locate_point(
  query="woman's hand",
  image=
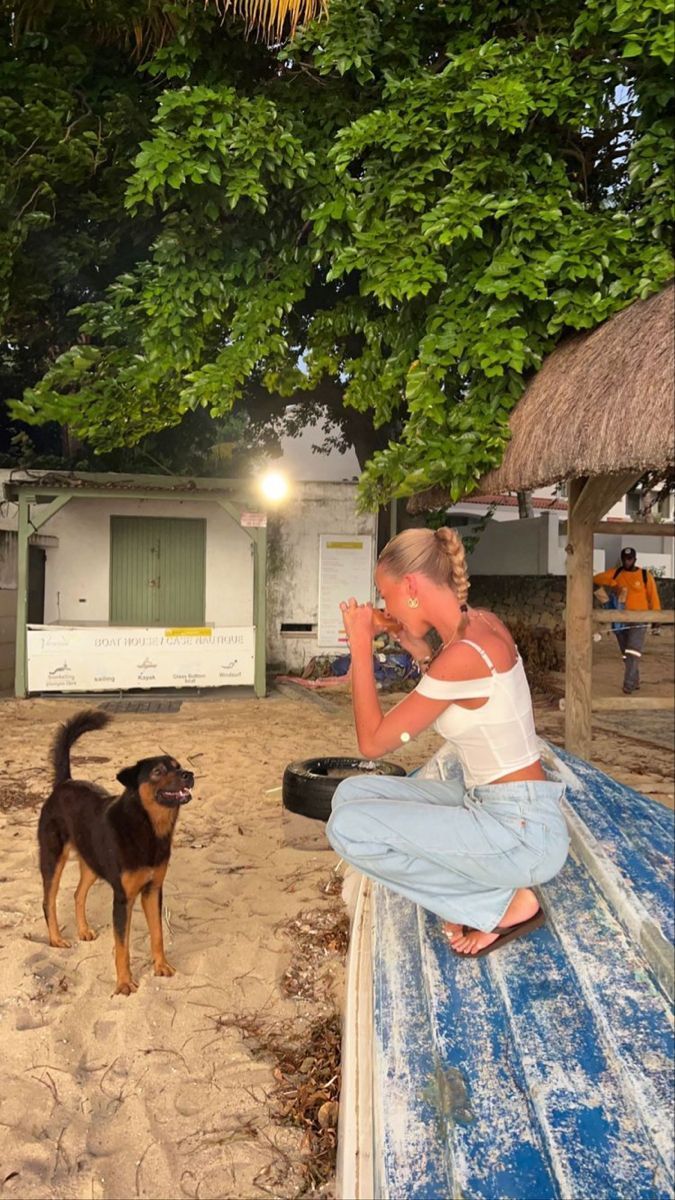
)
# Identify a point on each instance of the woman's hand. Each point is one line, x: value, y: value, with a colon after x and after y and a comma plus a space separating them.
x: 358, y: 622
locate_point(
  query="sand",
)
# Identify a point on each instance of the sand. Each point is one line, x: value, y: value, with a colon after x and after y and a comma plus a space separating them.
x: 156, y: 1095
x: 632, y: 745
x: 159, y: 1094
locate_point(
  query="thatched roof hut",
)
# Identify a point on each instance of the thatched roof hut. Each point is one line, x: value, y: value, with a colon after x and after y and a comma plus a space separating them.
x: 598, y: 414
x: 602, y: 403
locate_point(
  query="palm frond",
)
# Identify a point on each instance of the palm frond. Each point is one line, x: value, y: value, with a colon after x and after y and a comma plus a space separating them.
x: 141, y: 36
x: 273, y: 20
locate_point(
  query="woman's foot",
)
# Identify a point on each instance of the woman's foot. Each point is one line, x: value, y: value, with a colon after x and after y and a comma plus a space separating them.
x: 523, y: 906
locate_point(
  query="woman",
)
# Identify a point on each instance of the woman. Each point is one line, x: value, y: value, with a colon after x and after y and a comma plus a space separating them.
x: 470, y: 854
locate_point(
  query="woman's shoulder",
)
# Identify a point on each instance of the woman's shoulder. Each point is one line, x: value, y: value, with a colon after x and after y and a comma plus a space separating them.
x: 485, y: 643
x: 486, y: 618
x: 485, y: 628
x: 460, y: 660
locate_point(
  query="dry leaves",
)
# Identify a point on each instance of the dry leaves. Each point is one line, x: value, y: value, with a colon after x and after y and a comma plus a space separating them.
x: 318, y: 936
x: 307, y: 1088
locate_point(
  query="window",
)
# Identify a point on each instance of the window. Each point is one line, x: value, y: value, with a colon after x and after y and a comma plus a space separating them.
x: 641, y: 503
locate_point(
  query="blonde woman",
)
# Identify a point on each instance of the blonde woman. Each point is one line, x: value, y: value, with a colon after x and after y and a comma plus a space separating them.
x: 469, y: 853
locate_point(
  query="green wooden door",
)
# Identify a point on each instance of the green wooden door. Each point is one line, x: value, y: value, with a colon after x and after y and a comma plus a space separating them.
x: 157, y: 571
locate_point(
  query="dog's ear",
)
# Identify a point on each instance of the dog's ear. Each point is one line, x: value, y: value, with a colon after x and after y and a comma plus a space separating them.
x: 128, y: 777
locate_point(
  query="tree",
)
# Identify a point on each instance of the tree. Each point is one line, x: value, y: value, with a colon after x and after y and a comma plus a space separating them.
x: 408, y: 207
x: 75, y: 102
x: 72, y: 109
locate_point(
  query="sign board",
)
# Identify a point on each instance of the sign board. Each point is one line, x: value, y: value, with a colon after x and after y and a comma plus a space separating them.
x: 189, y: 631
x: 253, y: 519
x: 110, y: 659
x: 345, y: 569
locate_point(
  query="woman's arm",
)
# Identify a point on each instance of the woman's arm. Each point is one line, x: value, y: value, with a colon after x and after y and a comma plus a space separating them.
x: 378, y: 733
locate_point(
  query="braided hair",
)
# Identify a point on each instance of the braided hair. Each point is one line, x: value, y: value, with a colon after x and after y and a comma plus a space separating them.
x: 439, y: 554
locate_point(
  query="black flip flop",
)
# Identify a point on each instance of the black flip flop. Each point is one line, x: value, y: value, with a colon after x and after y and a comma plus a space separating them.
x: 507, y: 934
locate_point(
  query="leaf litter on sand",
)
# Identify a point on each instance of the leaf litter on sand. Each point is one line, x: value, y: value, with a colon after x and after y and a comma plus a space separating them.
x: 14, y: 796
x: 306, y: 1052
x: 319, y: 935
x: 306, y: 1092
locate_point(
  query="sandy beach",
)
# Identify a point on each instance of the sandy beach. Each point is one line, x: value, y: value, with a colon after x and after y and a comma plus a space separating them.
x: 170, y: 1092
x: 160, y: 1094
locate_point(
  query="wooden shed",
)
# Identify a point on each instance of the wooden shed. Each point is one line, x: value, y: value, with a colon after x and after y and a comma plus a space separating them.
x: 598, y: 415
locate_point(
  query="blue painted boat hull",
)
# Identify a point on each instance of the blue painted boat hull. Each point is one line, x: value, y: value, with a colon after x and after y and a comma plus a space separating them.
x: 544, y: 1070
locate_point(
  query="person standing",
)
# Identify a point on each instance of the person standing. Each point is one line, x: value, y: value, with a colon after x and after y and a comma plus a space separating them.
x: 641, y: 595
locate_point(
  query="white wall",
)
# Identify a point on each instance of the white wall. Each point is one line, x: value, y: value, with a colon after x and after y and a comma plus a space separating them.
x: 531, y: 546
x: 534, y: 546
x: 77, y: 540
x: 300, y: 463
x: 77, y: 582
x: 293, y: 562
x: 651, y: 551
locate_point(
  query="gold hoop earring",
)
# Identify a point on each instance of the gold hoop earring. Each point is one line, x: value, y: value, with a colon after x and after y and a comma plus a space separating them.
x: 413, y: 602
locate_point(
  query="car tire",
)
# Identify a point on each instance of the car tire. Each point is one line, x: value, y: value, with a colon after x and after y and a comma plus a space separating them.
x: 308, y: 786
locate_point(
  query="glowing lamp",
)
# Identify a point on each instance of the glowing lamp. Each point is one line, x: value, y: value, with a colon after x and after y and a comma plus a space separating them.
x: 274, y: 486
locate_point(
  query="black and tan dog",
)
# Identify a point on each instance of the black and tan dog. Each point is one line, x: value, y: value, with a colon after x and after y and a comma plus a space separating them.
x: 125, y: 840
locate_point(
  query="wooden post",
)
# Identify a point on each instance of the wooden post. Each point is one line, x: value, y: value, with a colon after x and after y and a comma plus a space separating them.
x: 20, y: 672
x: 47, y: 511
x: 259, y: 537
x: 578, y: 627
x: 28, y: 521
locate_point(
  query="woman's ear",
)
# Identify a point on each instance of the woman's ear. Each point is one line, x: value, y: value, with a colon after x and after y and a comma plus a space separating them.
x: 128, y: 777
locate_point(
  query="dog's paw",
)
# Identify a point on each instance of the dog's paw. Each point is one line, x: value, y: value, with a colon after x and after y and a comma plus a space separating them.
x: 164, y: 968
x: 125, y: 987
x: 59, y: 943
x: 87, y: 935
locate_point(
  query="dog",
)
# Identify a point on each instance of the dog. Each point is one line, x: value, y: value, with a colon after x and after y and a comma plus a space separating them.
x: 125, y: 840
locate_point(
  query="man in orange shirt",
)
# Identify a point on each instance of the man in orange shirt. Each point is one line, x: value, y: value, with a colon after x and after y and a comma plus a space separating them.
x: 641, y: 595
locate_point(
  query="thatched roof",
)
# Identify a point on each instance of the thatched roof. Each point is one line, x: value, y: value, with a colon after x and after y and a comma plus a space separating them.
x: 602, y: 403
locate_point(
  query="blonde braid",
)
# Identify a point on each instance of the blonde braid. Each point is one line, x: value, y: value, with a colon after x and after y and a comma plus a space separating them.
x: 458, y: 575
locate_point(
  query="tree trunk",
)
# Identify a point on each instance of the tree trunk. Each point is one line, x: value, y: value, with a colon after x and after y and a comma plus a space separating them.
x: 525, y: 508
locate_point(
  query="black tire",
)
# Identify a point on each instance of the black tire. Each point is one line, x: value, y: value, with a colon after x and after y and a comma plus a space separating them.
x: 308, y: 787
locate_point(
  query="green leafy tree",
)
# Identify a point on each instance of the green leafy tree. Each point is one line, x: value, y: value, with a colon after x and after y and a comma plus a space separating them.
x: 72, y: 112
x: 75, y: 102
x: 407, y: 207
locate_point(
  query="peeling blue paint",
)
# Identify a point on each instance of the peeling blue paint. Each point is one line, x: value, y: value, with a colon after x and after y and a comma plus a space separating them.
x: 543, y: 1070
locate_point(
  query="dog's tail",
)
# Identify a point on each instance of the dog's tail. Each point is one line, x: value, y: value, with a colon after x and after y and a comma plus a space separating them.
x: 70, y: 731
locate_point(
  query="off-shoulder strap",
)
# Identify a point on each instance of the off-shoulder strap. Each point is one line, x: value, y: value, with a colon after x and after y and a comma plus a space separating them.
x: 454, y: 689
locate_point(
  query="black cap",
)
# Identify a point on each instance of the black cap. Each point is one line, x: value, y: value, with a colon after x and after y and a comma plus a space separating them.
x: 628, y: 552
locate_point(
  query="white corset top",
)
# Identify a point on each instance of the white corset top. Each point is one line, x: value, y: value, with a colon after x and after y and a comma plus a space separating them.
x: 495, y: 739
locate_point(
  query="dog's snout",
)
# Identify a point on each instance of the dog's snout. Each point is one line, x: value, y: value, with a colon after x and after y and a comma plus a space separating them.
x: 187, y: 777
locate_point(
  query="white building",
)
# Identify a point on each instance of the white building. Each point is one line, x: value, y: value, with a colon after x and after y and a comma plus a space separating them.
x: 144, y: 582
x: 536, y: 545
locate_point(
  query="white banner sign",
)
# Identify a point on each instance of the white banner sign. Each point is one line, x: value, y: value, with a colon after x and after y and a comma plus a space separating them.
x: 345, y: 569
x: 106, y: 658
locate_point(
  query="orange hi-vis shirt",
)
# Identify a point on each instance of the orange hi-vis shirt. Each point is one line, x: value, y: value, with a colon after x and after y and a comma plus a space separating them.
x: 640, y: 595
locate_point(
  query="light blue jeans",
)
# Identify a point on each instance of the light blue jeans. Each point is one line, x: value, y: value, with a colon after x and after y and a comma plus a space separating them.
x: 460, y: 853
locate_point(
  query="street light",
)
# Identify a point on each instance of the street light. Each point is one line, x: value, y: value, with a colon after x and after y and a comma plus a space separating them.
x: 274, y: 486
